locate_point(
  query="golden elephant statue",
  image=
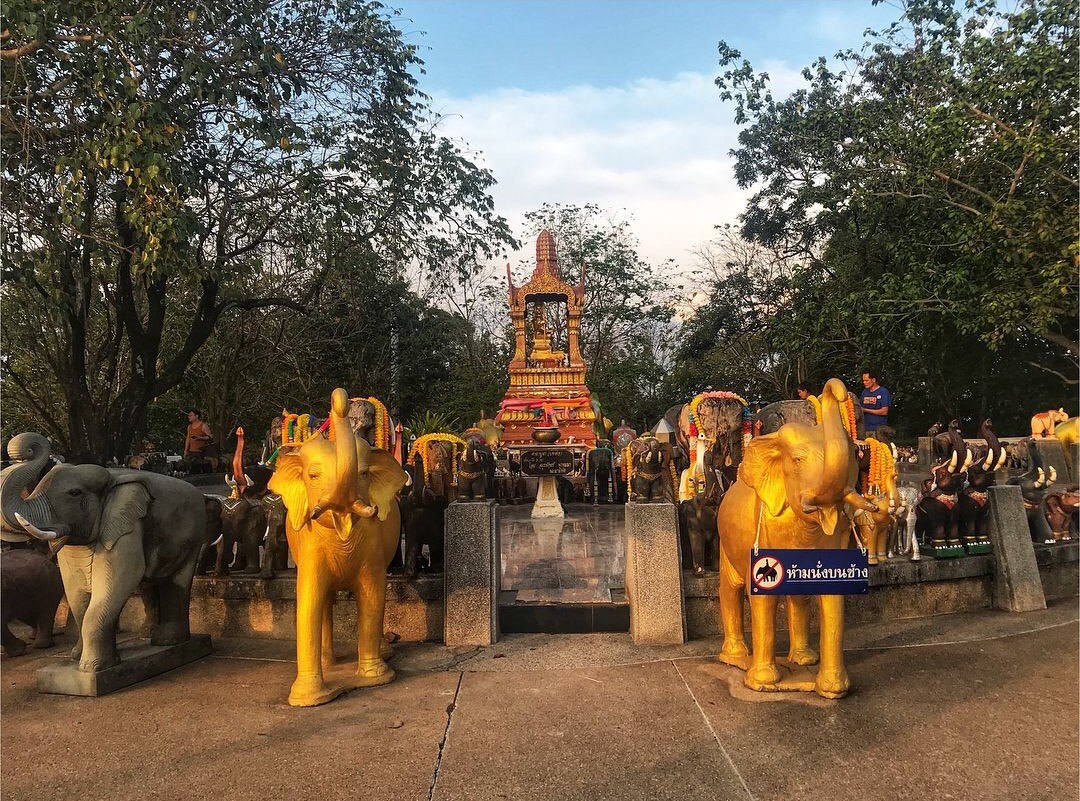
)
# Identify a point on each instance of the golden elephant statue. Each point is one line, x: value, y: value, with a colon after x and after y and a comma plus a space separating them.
x: 343, y: 525
x: 791, y: 491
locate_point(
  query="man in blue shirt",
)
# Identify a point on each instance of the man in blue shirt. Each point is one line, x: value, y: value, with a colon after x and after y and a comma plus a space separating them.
x: 876, y: 401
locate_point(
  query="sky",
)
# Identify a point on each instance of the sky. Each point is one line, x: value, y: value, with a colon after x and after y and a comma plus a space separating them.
x: 613, y: 102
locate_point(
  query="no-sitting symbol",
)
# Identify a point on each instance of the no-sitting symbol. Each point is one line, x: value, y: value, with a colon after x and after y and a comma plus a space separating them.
x: 767, y: 572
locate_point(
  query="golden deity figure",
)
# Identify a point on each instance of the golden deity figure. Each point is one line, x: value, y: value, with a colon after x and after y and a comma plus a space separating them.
x: 542, y: 354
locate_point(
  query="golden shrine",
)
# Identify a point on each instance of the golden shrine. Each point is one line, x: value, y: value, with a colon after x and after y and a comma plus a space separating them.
x: 547, y: 386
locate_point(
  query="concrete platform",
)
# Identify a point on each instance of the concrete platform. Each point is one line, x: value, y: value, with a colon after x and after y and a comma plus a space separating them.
x: 575, y: 717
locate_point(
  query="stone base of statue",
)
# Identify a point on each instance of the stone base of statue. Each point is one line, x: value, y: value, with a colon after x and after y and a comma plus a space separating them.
x: 139, y: 660
x: 978, y: 547
x: 794, y: 678
x: 547, y: 499
x: 943, y: 550
x: 340, y: 676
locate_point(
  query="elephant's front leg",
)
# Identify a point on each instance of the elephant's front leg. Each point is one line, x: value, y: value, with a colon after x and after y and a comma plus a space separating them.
x: 832, y: 677
x: 312, y: 592
x: 114, y: 577
x: 734, y: 650
x: 798, y: 616
x: 370, y: 592
x: 74, y: 562
x: 763, y: 673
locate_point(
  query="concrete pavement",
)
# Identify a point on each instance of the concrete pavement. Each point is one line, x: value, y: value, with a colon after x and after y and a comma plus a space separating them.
x: 980, y: 706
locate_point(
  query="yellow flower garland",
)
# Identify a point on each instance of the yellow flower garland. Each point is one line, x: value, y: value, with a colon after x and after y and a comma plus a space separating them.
x: 382, y: 422
x: 882, y: 467
x: 847, y: 414
x: 422, y: 443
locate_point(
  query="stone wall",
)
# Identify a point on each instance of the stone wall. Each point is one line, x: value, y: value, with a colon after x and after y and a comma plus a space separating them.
x: 249, y: 607
x: 904, y: 589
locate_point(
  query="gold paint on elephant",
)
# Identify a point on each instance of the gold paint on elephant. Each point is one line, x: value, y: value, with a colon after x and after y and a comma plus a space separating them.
x: 791, y: 492
x: 343, y: 525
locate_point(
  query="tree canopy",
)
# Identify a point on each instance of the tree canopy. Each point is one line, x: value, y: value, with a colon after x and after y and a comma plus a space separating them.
x: 923, y: 193
x: 165, y: 168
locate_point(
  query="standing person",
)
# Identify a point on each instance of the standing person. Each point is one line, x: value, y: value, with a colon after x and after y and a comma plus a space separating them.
x: 876, y: 401
x: 198, y: 435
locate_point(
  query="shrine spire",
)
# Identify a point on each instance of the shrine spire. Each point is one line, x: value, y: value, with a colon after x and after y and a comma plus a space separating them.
x: 547, y: 259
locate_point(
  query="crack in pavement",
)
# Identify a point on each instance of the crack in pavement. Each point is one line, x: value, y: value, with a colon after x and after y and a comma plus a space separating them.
x: 445, y: 736
x: 716, y: 736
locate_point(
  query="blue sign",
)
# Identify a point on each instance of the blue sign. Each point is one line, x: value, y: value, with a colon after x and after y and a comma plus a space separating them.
x: 808, y: 571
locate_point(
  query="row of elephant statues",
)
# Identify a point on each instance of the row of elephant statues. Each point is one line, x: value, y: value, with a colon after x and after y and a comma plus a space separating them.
x: 117, y: 531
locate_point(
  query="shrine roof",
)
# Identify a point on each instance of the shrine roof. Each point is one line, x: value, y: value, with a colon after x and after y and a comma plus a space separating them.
x: 546, y: 282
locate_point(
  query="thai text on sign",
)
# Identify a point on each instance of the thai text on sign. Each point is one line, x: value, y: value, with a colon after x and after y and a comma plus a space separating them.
x: 808, y: 571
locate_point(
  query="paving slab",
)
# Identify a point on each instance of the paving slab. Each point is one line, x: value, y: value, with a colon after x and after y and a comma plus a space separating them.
x: 220, y: 729
x: 989, y: 719
x: 623, y: 732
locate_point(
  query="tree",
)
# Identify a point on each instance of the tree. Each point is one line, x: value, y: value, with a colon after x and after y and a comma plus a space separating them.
x: 157, y: 159
x: 924, y: 191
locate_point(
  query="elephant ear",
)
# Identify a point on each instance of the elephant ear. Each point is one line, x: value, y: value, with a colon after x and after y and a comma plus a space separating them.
x: 288, y: 482
x: 382, y: 479
x: 762, y: 469
x: 125, y: 507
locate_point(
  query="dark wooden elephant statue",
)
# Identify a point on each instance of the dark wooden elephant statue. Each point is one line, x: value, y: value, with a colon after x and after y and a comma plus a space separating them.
x: 1034, y: 486
x: 974, y: 500
x: 937, y: 513
x: 431, y: 466
x: 600, y: 473
x: 476, y: 472
x: 30, y: 592
x: 702, y: 490
x: 651, y: 471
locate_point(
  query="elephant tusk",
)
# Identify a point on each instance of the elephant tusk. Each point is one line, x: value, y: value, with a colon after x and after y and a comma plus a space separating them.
x: 989, y: 460
x: 215, y: 542
x: 41, y: 534
x: 895, y: 453
x: 363, y: 510
x: 952, y: 462
x: 1053, y: 475
x: 266, y: 534
x: 1001, y: 460
x: 1041, y: 479
x: 967, y: 461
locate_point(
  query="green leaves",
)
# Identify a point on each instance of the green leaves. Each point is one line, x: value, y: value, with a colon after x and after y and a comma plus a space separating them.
x: 929, y: 185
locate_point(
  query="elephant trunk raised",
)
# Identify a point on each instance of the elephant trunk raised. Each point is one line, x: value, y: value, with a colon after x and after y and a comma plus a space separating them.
x: 31, y: 453
x: 839, y: 468
x: 343, y: 493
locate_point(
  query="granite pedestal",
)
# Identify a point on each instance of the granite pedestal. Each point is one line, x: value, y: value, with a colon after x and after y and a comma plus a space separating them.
x: 471, y: 574
x: 654, y: 574
x: 1017, y: 585
x: 139, y: 660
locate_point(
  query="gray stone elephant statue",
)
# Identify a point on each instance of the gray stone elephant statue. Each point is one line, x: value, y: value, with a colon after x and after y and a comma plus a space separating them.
x: 115, y: 529
x: 772, y: 417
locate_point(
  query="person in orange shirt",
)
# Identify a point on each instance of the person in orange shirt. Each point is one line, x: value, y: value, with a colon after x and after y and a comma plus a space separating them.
x: 198, y: 435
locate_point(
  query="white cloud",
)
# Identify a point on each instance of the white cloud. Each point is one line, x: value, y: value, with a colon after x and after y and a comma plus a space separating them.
x: 657, y: 148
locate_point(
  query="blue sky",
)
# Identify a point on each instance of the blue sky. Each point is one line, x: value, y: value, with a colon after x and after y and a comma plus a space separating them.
x: 612, y: 101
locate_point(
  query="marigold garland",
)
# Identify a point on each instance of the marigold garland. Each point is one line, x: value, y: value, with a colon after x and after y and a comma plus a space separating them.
x: 882, y: 468
x: 847, y: 414
x: 382, y: 422
x: 424, y: 440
